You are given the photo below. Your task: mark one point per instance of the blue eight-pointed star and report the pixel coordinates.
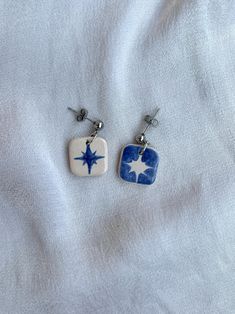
(89, 158)
(138, 168)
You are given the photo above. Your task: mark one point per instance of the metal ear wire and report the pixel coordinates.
(82, 115)
(141, 138)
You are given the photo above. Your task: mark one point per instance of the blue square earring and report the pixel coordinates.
(139, 162)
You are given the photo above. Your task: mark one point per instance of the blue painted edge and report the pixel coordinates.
(120, 162)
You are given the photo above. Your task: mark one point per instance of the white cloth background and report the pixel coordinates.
(100, 245)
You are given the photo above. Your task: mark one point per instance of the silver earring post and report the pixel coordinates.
(82, 115)
(141, 138)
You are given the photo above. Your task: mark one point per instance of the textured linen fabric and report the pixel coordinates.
(100, 245)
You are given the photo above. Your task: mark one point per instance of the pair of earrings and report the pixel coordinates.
(88, 156)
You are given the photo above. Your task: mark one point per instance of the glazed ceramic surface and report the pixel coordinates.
(138, 168)
(88, 159)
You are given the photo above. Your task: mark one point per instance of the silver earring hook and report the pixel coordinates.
(141, 138)
(82, 115)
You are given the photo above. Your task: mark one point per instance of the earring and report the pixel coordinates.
(88, 156)
(139, 162)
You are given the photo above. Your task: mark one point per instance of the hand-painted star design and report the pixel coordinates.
(138, 166)
(89, 158)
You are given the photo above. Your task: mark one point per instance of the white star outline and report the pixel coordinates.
(138, 166)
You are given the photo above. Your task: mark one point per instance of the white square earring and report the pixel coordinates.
(88, 156)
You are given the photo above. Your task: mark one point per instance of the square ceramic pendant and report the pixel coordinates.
(88, 159)
(136, 167)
